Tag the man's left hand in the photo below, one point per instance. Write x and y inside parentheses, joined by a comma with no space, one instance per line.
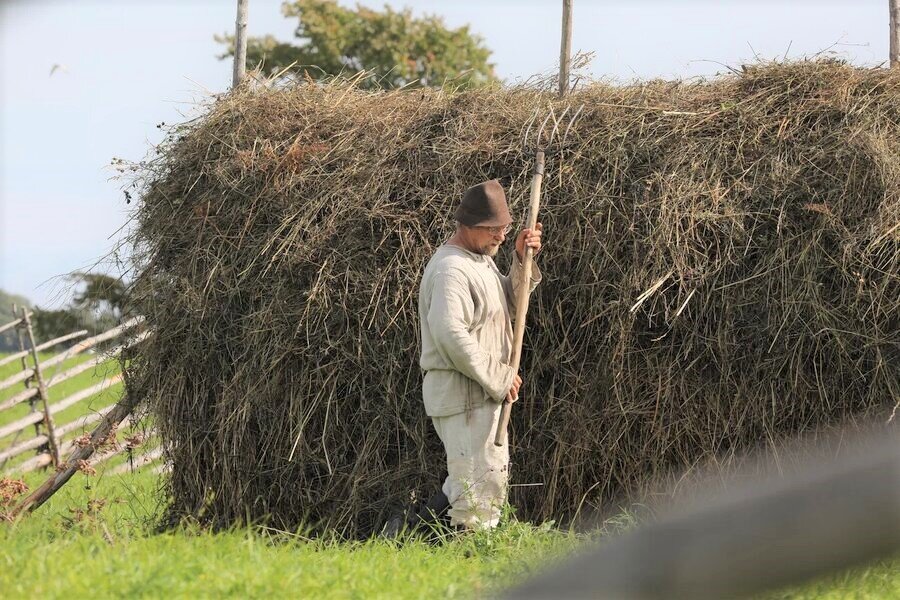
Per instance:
(530,238)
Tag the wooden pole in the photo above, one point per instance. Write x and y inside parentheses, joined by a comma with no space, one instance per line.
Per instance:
(49,344)
(42,391)
(43,493)
(21,354)
(565,48)
(894,6)
(11,324)
(523,293)
(21,340)
(240,43)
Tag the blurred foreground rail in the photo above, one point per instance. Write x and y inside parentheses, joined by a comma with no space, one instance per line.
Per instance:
(767,534)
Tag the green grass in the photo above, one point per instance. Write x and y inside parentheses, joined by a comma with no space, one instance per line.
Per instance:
(875,582)
(113,553)
(95,538)
(67,550)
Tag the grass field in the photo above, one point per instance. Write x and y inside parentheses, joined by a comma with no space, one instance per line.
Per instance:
(96,538)
(111,551)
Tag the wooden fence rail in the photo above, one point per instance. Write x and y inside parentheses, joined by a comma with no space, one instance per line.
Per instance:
(38,441)
(48,437)
(43,460)
(62,405)
(57,379)
(12,324)
(70,373)
(764,533)
(71,352)
(44,346)
(141,461)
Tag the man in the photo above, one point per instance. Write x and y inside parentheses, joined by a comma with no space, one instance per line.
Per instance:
(465,311)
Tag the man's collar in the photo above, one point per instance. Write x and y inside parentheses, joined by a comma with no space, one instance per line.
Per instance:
(475,255)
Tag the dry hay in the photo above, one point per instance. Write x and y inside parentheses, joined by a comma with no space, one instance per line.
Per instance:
(721,269)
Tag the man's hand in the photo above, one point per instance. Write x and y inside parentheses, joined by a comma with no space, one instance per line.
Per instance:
(530,238)
(513,394)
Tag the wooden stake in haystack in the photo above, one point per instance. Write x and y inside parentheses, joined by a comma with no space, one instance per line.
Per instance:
(894,28)
(544,138)
(565,48)
(240,44)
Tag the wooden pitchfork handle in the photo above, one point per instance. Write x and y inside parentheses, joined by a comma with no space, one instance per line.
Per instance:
(523,292)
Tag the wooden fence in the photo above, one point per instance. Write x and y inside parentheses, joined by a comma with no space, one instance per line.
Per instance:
(51,439)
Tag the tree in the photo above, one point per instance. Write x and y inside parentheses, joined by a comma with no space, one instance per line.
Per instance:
(49,324)
(96,305)
(101,295)
(396,48)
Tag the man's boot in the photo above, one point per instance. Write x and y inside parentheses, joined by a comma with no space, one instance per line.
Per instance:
(428,517)
(433,512)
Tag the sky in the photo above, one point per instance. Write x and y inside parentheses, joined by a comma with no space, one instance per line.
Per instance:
(125,66)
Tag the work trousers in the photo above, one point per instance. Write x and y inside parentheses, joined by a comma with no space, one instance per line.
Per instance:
(477,470)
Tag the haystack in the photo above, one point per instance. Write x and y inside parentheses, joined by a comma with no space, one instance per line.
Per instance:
(721,269)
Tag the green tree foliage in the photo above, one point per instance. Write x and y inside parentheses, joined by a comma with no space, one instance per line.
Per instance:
(49,324)
(395,47)
(102,294)
(96,305)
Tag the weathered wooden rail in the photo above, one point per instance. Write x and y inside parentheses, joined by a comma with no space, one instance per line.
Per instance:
(44,346)
(51,440)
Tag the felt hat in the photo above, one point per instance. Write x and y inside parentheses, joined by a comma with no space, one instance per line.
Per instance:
(484,204)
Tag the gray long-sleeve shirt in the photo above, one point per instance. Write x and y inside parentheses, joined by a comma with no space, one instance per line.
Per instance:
(465,311)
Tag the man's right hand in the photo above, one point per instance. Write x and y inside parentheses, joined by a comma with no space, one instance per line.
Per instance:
(513,394)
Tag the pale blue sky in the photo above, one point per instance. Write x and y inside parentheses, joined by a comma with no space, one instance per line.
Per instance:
(131,64)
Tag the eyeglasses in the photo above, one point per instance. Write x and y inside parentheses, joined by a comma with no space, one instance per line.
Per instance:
(504,229)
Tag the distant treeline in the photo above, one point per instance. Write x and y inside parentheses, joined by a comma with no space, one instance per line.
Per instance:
(95,306)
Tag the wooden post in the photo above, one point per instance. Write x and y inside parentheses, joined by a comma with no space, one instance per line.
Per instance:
(27,383)
(42,391)
(240,43)
(15,308)
(523,293)
(894,7)
(565,48)
(31,408)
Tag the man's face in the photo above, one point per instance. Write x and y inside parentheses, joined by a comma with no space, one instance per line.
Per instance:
(487,240)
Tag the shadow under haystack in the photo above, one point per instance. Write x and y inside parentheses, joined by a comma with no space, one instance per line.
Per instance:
(721,269)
